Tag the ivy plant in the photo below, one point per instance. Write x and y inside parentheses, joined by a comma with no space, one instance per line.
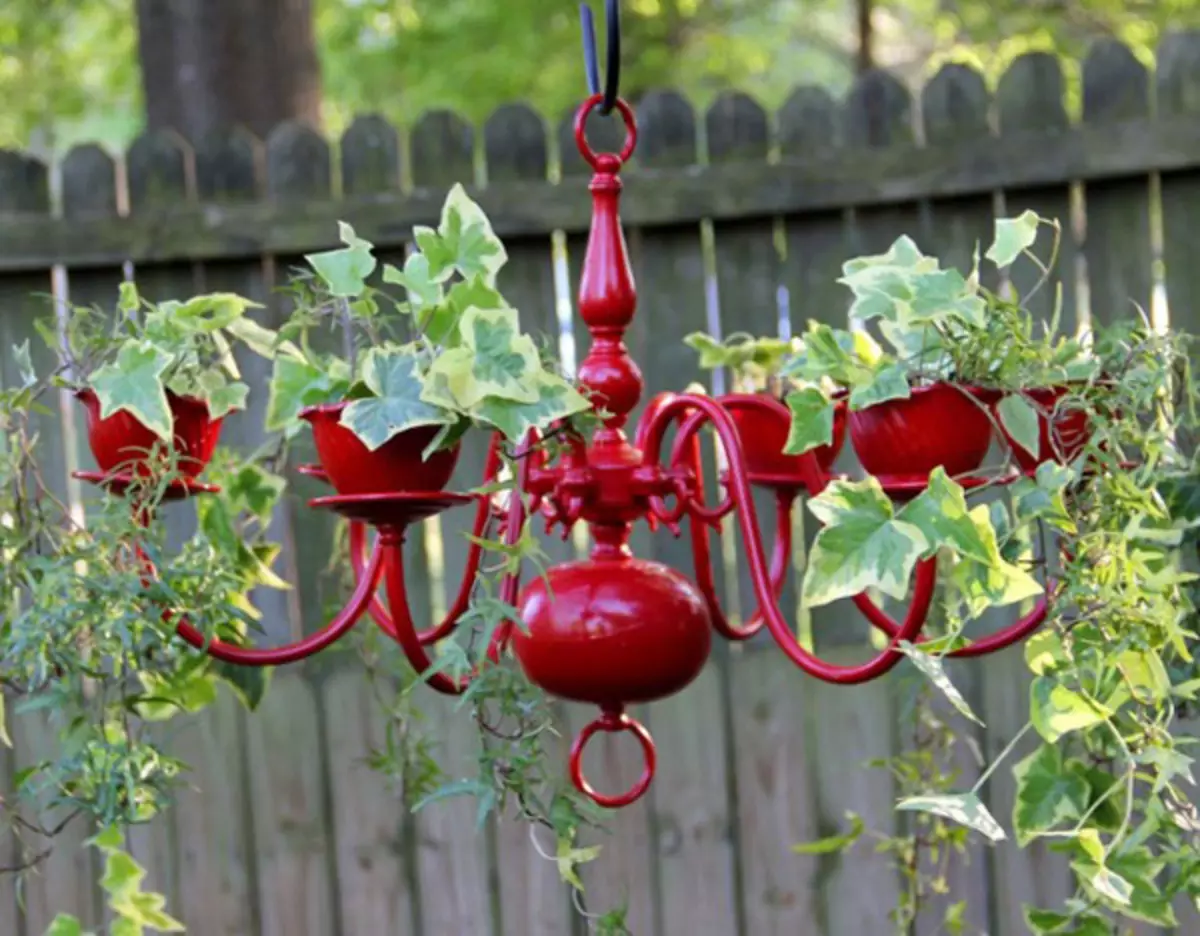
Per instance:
(451,353)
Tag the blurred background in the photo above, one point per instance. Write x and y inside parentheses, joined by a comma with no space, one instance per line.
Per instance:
(73,70)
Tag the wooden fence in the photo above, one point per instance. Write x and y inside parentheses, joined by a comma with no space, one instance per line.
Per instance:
(737,217)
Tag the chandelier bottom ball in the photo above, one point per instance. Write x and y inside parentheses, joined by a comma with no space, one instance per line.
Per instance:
(612,631)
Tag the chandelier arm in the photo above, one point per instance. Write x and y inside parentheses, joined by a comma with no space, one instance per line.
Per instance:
(926,576)
(483,512)
(290,653)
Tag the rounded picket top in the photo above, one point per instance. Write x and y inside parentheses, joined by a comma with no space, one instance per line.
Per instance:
(370,150)
(89,182)
(516,144)
(442,150)
(808,122)
(158,168)
(1116,86)
(24,183)
(298,161)
(1031,93)
(738,128)
(666,130)
(1178,75)
(878,111)
(229,165)
(954,105)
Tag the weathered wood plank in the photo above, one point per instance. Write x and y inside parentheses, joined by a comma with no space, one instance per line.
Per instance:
(370,157)
(1179,96)
(1030,94)
(292,845)
(885,175)
(772,712)
(1117,245)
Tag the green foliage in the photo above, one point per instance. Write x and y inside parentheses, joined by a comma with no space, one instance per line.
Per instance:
(466,361)
(754,362)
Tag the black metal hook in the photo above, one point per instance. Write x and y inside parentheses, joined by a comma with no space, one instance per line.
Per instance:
(591,59)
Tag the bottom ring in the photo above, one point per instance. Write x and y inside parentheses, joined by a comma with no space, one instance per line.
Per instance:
(613,722)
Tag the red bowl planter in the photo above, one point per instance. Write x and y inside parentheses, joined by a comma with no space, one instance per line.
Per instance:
(763,425)
(396,466)
(1059,441)
(939,425)
(120,443)
(612,631)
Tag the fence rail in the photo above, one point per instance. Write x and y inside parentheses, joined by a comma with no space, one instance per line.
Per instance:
(737,218)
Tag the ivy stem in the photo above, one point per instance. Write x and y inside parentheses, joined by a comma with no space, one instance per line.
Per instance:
(1000,758)
(348,344)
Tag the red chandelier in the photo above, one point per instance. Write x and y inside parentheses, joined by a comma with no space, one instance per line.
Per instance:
(613,630)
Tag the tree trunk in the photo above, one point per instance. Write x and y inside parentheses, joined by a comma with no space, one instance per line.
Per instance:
(209,64)
(866,36)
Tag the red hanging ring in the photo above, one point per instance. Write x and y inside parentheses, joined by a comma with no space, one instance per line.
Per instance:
(605,162)
(613,722)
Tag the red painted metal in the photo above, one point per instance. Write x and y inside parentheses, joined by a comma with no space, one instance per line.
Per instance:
(940,424)
(1063,432)
(398,465)
(615,630)
(122,445)
(612,722)
(612,631)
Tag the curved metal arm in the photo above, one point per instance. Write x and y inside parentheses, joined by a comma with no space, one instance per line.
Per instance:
(483,513)
(290,653)
(739,485)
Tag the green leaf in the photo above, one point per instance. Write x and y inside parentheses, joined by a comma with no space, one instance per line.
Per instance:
(861,546)
(812,421)
(964,808)
(934,669)
(1089,841)
(464,241)
(24,361)
(1053,923)
(833,843)
(393,376)
(993,584)
(65,925)
(146,909)
(256,337)
(888,381)
(168,695)
(713,353)
(226,398)
(440,324)
(940,512)
(295,384)
(346,269)
(133,384)
(128,300)
(211,312)
(1044,652)
(1056,710)
(1048,794)
(451,790)
(249,683)
(122,875)
(423,291)
(1145,673)
(556,399)
(254,490)
(1021,422)
(496,360)
(1041,497)
(1012,238)
(568,858)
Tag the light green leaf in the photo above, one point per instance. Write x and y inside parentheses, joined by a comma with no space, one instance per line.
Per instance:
(887,381)
(213,312)
(903,253)
(295,384)
(812,421)
(393,376)
(169,695)
(226,398)
(940,512)
(24,361)
(1055,710)
(1089,841)
(556,399)
(122,875)
(713,353)
(1044,651)
(128,300)
(861,546)
(1021,422)
(1012,238)
(258,338)
(1041,497)
(440,323)
(5,737)
(964,808)
(1111,885)
(833,843)
(496,360)
(249,683)
(464,241)
(133,384)
(346,269)
(568,858)
(146,909)
(933,668)
(1145,673)
(1053,923)
(65,925)
(1048,794)
(423,291)
(993,584)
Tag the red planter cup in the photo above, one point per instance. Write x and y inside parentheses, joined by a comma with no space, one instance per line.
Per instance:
(1059,440)
(763,424)
(396,466)
(120,443)
(939,425)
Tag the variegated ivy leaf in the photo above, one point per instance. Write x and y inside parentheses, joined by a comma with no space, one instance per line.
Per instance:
(1020,420)
(393,375)
(1012,238)
(827,352)
(440,323)
(964,808)
(887,380)
(258,338)
(297,383)
(932,667)
(996,582)
(1041,497)
(133,384)
(940,512)
(226,399)
(128,299)
(812,421)
(494,361)
(1056,710)
(211,312)
(464,241)
(346,269)
(423,291)
(903,253)
(861,546)
(1049,793)
(939,295)
(557,399)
